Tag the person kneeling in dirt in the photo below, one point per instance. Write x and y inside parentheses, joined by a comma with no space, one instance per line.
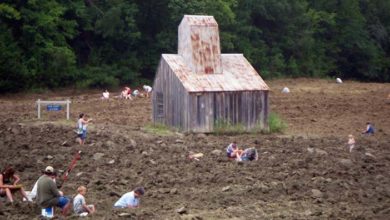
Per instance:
(130,199)
(248,154)
(135,93)
(9,184)
(126,93)
(106,95)
(232,150)
(369,129)
(48,195)
(79,204)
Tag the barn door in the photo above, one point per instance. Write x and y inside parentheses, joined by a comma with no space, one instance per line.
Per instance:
(200,112)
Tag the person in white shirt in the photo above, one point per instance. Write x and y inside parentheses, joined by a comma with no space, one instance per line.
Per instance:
(106,95)
(351,142)
(147,90)
(130,199)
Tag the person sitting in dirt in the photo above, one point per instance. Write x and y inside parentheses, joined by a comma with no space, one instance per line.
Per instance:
(232,150)
(106,95)
(9,184)
(248,154)
(369,129)
(33,193)
(79,204)
(48,195)
(130,199)
(135,93)
(82,125)
(147,90)
(351,142)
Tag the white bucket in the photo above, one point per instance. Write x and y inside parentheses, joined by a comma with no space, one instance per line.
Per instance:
(48,212)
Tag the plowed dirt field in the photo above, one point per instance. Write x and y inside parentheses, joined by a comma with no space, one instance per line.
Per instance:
(304,173)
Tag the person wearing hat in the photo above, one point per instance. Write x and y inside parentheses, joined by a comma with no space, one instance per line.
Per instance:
(47,193)
(33,193)
(130,199)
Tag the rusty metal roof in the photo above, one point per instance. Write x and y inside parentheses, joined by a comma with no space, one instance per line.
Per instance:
(237,75)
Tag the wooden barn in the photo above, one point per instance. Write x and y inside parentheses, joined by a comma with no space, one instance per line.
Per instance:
(199,87)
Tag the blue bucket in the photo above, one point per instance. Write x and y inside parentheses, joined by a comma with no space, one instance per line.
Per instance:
(48,212)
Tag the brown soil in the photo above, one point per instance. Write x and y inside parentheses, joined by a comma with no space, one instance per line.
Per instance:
(306,173)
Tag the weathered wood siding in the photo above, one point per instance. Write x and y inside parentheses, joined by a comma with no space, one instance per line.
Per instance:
(248,108)
(173,98)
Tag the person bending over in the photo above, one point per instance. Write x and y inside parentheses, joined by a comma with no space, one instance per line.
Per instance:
(130,199)
(248,154)
(369,129)
(9,184)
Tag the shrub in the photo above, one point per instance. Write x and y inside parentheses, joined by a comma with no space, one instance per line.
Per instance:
(275,123)
(159,129)
(223,126)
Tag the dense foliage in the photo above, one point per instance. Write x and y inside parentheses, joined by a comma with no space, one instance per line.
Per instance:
(104,43)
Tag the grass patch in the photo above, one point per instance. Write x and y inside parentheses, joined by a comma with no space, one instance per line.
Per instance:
(158,129)
(276,124)
(222,126)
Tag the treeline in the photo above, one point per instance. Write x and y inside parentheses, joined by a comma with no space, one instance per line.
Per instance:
(101,43)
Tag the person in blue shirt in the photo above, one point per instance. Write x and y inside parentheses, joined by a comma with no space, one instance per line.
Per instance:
(130,199)
(369,129)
